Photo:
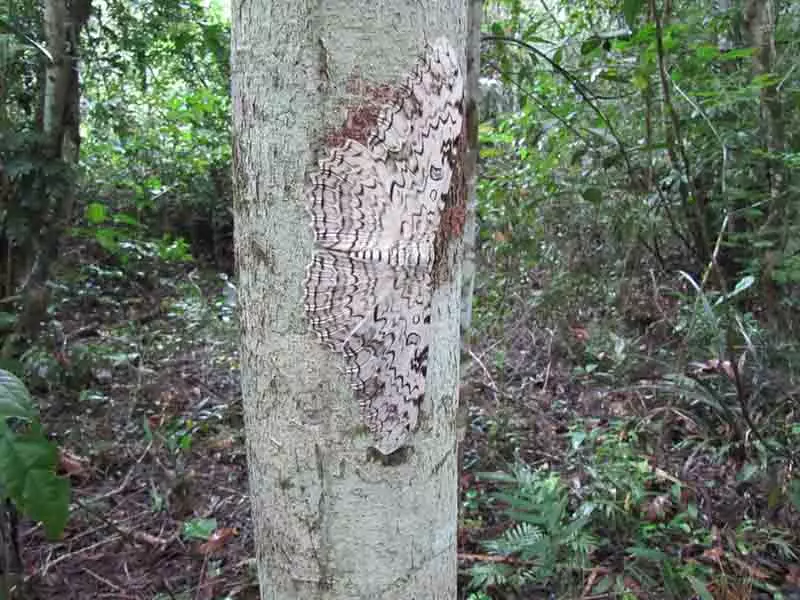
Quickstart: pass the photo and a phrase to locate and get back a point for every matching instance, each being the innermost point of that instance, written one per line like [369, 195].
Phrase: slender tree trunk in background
[472, 97]
[693, 199]
[759, 20]
[332, 518]
[60, 144]
[62, 23]
[759, 17]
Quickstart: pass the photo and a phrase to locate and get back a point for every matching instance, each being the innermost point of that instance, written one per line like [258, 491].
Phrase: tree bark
[472, 97]
[759, 19]
[62, 24]
[332, 518]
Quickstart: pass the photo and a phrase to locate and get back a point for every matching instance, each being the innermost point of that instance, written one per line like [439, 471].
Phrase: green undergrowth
[609, 520]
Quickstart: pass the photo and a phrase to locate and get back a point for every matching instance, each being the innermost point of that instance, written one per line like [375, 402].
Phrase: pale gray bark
[472, 97]
[56, 70]
[330, 522]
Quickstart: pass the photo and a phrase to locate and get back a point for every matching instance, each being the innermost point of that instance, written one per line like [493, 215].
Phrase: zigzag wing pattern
[375, 211]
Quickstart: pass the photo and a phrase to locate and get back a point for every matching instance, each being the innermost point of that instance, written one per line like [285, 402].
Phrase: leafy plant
[544, 536]
[28, 460]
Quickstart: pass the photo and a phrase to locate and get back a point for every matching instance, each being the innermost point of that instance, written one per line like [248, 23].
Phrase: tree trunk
[62, 24]
[759, 18]
[472, 95]
[353, 486]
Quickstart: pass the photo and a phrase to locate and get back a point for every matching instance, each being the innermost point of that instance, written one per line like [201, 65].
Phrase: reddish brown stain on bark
[454, 213]
[362, 111]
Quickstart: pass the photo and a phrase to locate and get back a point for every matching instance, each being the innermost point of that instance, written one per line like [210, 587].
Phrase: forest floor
[138, 383]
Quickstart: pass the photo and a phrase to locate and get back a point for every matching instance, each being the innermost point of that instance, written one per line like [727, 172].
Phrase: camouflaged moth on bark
[376, 209]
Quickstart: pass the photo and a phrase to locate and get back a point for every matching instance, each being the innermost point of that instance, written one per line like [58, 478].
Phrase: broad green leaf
[46, 499]
[591, 44]
[19, 454]
[640, 81]
[593, 195]
[15, 401]
[199, 529]
[125, 219]
[96, 213]
[737, 53]
[794, 493]
[706, 52]
[630, 9]
[107, 238]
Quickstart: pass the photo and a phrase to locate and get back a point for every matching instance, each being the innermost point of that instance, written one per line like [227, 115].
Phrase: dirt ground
[139, 386]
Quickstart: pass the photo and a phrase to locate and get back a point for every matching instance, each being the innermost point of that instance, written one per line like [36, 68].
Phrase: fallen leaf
[714, 554]
[793, 576]
[499, 236]
[218, 539]
[580, 333]
[658, 508]
[70, 464]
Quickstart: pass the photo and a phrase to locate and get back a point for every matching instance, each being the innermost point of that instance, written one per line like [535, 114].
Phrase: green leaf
[630, 9]
[700, 588]
[7, 320]
[96, 213]
[15, 168]
[199, 529]
[706, 52]
[737, 53]
[20, 454]
[603, 585]
[107, 238]
[15, 401]
[27, 471]
[593, 195]
[794, 493]
[591, 44]
[46, 499]
[125, 219]
[651, 554]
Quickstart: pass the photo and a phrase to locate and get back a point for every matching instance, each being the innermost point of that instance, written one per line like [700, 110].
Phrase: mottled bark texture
[331, 521]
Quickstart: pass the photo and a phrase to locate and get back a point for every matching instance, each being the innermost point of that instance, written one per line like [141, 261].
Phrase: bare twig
[50, 564]
[101, 579]
[127, 480]
[508, 560]
[549, 361]
[486, 372]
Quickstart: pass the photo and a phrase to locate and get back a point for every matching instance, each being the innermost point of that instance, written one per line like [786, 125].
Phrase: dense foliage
[639, 209]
